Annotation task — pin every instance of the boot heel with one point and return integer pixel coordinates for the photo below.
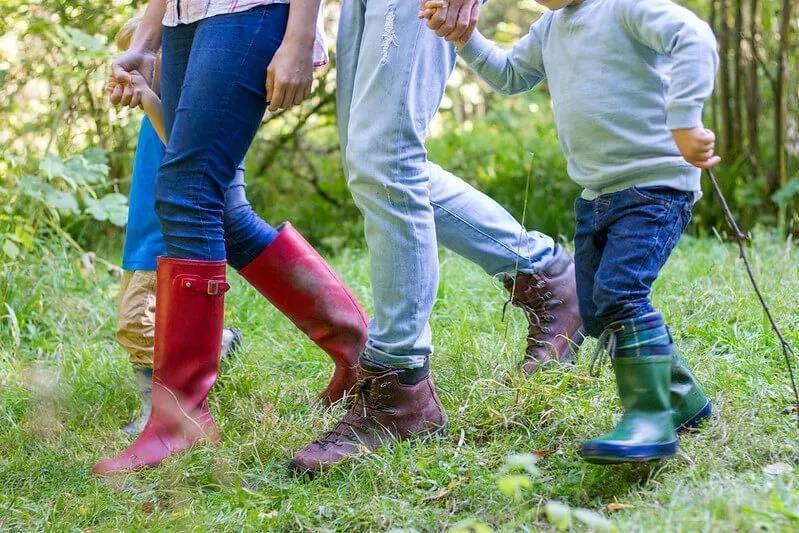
(695, 421)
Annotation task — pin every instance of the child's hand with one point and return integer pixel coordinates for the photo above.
(697, 146)
(137, 88)
(428, 8)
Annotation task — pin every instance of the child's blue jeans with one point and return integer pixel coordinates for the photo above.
(622, 241)
(213, 74)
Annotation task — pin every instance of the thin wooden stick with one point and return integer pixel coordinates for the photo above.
(787, 351)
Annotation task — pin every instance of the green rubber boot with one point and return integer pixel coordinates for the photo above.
(689, 404)
(641, 353)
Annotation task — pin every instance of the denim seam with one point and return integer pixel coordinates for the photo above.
(403, 117)
(489, 237)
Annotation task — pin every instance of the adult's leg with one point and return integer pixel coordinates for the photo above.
(538, 275)
(469, 222)
(212, 89)
(475, 226)
(287, 271)
(394, 91)
(211, 119)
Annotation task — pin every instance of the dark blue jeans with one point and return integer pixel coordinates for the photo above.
(622, 241)
(246, 235)
(213, 74)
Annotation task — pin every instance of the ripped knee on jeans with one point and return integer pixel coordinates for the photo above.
(389, 36)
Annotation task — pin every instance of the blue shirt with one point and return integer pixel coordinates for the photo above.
(143, 239)
(622, 74)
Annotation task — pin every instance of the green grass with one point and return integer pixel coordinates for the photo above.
(66, 388)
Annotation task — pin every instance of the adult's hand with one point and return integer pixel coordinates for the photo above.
(456, 21)
(289, 76)
(121, 89)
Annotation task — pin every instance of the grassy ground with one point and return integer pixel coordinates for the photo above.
(65, 388)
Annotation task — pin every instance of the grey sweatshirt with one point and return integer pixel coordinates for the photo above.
(622, 75)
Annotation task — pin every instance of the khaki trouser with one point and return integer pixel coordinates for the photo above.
(136, 316)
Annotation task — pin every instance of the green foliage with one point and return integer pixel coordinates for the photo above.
(53, 112)
(787, 193)
(61, 193)
(498, 154)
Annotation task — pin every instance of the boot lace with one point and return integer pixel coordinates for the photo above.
(368, 397)
(536, 303)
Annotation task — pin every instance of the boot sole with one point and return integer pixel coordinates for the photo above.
(303, 471)
(621, 453)
(695, 421)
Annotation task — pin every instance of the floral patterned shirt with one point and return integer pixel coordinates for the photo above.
(188, 11)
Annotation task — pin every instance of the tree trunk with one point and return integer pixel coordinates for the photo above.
(738, 80)
(780, 100)
(725, 95)
(753, 88)
(714, 98)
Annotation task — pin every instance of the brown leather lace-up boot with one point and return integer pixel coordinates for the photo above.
(549, 300)
(384, 409)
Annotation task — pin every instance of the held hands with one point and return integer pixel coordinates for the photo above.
(454, 20)
(697, 146)
(120, 87)
(135, 89)
(289, 76)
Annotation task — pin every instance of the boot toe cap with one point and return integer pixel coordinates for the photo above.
(317, 457)
(117, 465)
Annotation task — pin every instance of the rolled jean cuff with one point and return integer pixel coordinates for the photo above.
(396, 361)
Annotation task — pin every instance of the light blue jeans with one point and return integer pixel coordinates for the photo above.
(391, 76)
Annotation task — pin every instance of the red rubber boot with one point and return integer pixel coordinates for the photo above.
(299, 282)
(188, 331)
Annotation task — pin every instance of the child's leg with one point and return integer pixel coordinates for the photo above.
(642, 228)
(136, 334)
(649, 226)
(589, 245)
(136, 316)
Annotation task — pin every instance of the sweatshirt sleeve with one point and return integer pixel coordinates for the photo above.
(507, 71)
(676, 32)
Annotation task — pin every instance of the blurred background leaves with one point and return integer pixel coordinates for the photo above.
(66, 155)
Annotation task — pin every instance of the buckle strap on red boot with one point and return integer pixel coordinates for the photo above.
(211, 287)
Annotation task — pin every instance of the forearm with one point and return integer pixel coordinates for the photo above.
(501, 69)
(148, 34)
(152, 108)
(301, 26)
